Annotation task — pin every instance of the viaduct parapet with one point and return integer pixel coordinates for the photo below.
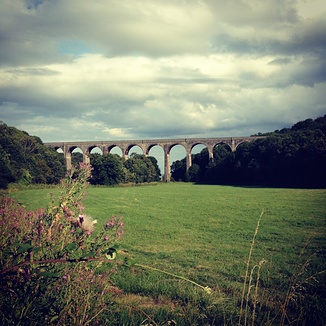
(167, 144)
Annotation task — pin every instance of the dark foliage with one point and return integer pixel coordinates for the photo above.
(108, 169)
(24, 159)
(291, 157)
(111, 169)
(142, 169)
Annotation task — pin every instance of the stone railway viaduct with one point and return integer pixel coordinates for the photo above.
(167, 144)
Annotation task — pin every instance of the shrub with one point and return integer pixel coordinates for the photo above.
(48, 265)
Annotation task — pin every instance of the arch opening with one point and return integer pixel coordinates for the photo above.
(157, 152)
(115, 150)
(95, 150)
(134, 149)
(178, 155)
(77, 155)
(221, 150)
(200, 155)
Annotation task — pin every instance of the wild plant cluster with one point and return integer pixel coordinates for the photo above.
(50, 257)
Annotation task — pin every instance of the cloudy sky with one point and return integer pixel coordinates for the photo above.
(139, 69)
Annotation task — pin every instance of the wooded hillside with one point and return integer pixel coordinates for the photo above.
(291, 157)
(24, 159)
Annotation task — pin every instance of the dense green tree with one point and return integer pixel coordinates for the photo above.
(154, 161)
(193, 173)
(142, 168)
(6, 175)
(76, 158)
(25, 159)
(108, 169)
(178, 170)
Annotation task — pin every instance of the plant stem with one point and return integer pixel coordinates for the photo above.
(248, 265)
(205, 288)
(53, 261)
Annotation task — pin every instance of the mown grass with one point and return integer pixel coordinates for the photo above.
(203, 233)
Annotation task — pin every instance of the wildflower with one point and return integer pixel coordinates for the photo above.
(87, 223)
(106, 238)
(81, 218)
(68, 212)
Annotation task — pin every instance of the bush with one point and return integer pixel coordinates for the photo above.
(50, 259)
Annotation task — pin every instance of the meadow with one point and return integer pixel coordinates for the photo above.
(181, 239)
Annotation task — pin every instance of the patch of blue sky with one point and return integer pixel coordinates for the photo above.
(74, 47)
(33, 4)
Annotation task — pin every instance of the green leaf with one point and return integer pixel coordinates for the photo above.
(72, 247)
(24, 247)
(90, 254)
(36, 250)
(53, 319)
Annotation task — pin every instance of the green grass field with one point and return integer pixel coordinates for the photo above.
(204, 233)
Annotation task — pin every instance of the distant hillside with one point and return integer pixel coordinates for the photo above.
(291, 157)
(24, 159)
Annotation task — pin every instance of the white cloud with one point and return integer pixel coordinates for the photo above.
(81, 70)
(310, 9)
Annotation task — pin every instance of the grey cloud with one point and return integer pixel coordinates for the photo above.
(33, 4)
(241, 13)
(280, 61)
(31, 71)
(291, 37)
(309, 71)
(109, 26)
(117, 28)
(81, 70)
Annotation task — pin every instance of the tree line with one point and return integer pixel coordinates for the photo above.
(24, 159)
(291, 157)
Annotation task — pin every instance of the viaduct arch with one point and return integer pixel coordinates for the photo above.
(146, 145)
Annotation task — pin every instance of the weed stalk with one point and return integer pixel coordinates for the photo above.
(205, 288)
(247, 269)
